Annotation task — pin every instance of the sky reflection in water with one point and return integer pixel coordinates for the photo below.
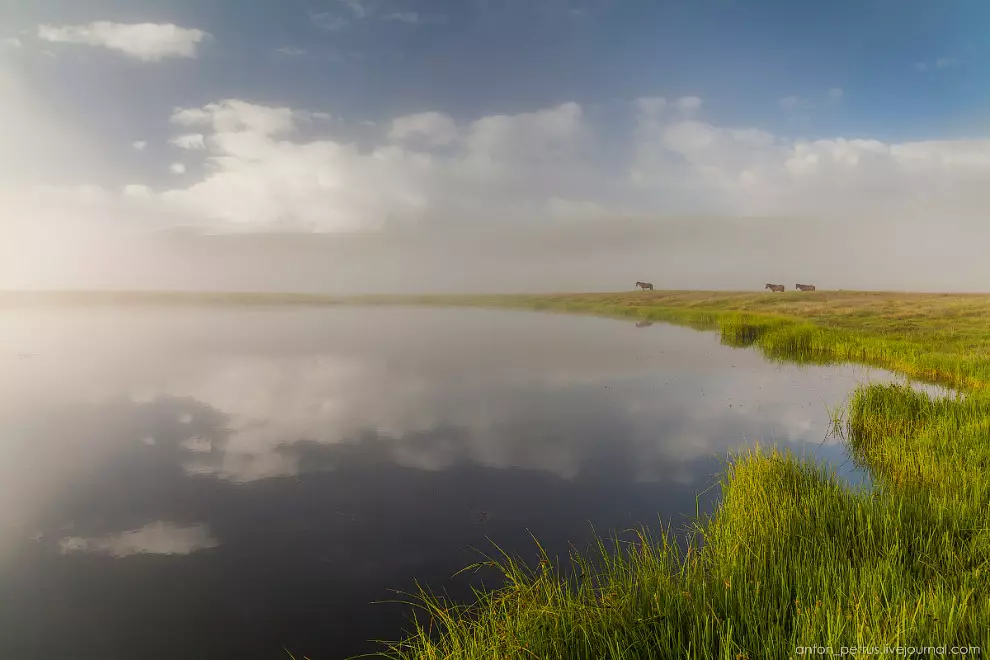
(219, 482)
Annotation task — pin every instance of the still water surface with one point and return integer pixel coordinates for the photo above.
(222, 482)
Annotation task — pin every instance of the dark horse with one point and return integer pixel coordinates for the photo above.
(644, 286)
(644, 324)
(774, 287)
(804, 287)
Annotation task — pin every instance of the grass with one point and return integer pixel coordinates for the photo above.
(790, 558)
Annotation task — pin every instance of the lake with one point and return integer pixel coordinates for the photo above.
(220, 482)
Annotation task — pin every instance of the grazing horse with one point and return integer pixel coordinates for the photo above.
(775, 287)
(644, 324)
(804, 287)
(644, 286)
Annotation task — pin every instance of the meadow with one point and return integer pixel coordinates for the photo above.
(790, 559)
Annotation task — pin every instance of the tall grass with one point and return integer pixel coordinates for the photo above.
(790, 558)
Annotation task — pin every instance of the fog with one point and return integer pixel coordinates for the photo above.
(692, 253)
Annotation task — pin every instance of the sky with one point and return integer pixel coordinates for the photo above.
(361, 146)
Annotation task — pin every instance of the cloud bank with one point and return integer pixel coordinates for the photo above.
(262, 169)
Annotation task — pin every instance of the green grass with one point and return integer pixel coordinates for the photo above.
(790, 558)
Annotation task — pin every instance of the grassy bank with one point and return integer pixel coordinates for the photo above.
(790, 558)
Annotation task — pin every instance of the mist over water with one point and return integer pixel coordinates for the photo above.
(607, 254)
(231, 480)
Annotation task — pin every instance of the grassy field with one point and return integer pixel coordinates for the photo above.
(790, 559)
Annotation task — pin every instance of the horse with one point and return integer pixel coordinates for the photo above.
(804, 287)
(775, 287)
(644, 324)
(644, 286)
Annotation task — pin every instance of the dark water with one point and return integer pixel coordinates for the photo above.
(220, 483)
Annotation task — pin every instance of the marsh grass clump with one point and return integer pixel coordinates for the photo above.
(741, 330)
(938, 448)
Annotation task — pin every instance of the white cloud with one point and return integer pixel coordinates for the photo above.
(177, 168)
(139, 145)
(144, 41)
(551, 133)
(159, 538)
(689, 103)
(435, 127)
(232, 115)
(10, 42)
(323, 185)
(835, 94)
(290, 51)
(137, 191)
(257, 176)
(945, 62)
(191, 141)
(752, 171)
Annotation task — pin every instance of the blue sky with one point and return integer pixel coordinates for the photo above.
(472, 57)
(341, 115)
